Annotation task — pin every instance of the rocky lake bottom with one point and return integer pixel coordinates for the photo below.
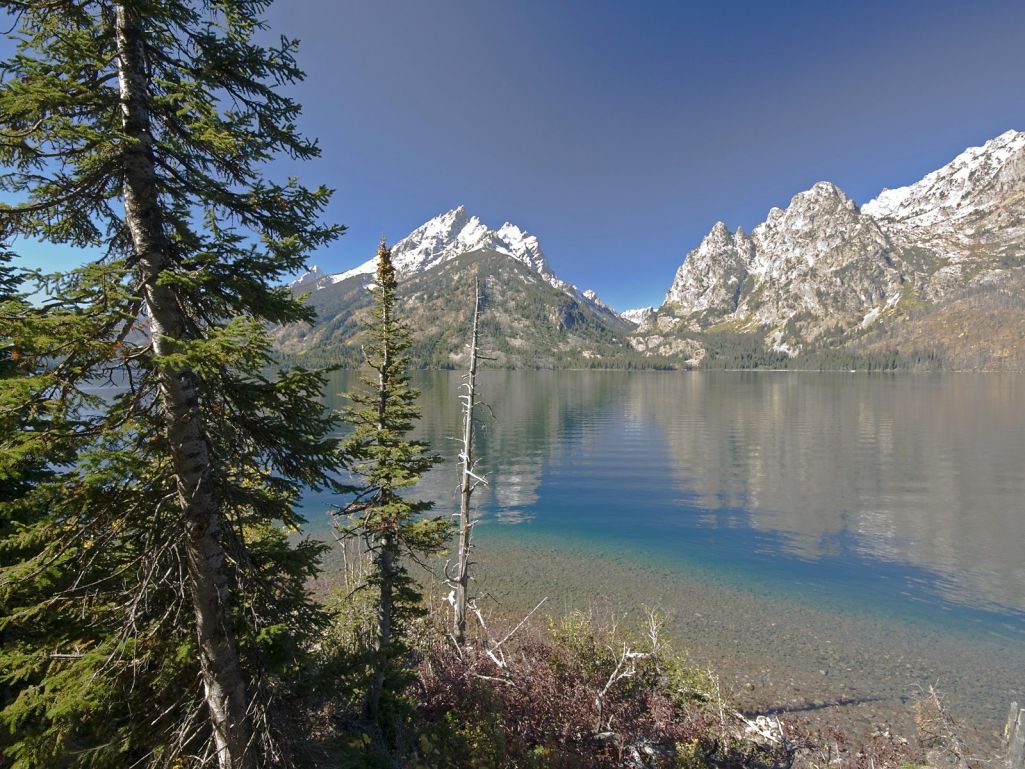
(774, 654)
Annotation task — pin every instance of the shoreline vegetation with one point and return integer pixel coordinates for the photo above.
(928, 362)
(328, 362)
(581, 689)
(824, 666)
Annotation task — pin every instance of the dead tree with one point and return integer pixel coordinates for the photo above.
(469, 481)
(1014, 735)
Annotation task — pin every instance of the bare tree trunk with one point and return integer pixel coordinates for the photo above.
(208, 583)
(467, 484)
(1014, 735)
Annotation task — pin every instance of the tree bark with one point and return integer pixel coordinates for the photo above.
(387, 554)
(1014, 734)
(387, 561)
(224, 686)
(467, 485)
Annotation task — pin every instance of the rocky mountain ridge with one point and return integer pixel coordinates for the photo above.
(450, 235)
(825, 272)
(822, 282)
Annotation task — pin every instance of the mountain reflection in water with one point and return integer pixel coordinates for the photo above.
(906, 487)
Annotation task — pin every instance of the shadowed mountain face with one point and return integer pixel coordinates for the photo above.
(824, 274)
(526, 320)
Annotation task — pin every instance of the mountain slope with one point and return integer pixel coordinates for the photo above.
(531, 317)
(526, 321)
(452, 234)
(927, 274)
(824, 274)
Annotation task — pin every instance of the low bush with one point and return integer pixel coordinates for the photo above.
(574, 692)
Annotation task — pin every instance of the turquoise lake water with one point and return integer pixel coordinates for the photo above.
(906, 493)
(887, 497)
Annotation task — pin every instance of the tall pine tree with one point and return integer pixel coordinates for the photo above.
(381, 455)
(154, 609)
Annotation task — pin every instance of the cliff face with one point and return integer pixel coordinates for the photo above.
(823, 271)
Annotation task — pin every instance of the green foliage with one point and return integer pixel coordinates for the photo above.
(392, 526)
(99, 664)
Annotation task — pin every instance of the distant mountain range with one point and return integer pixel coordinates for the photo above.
(929, 275)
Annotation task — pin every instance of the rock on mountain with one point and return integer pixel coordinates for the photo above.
(823, 272)
(532, 317)
(804, 271)
(450, 235)
(962, 224)
(710, 278)
(637, 315)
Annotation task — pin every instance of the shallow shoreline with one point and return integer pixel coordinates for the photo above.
(857, 671)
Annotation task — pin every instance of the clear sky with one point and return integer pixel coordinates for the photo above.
(620, 132)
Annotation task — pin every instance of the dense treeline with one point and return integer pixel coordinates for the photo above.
(732, 351)
(723, 351)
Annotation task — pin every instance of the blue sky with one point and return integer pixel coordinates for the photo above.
(618, 132)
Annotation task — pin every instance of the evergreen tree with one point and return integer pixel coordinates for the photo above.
(381, 455)
(154, 610)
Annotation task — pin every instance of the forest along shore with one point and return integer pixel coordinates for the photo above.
(823, 668)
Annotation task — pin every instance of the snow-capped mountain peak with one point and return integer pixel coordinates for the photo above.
(637, 315)
(969, 184)
(522, 246)
(592, 296)
(308, 278)
(452, 234)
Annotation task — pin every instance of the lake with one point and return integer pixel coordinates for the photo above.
(822, 537)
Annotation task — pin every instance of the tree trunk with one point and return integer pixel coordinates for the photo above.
(387, 554)
(467, 484)
(387, 561)
(1014, 735)
(208, 583)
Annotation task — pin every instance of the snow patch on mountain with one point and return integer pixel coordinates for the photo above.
(309, 278)
(637, 315)
(452, 234)
(969, 182)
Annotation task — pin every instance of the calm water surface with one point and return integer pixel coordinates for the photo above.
(869, 495)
